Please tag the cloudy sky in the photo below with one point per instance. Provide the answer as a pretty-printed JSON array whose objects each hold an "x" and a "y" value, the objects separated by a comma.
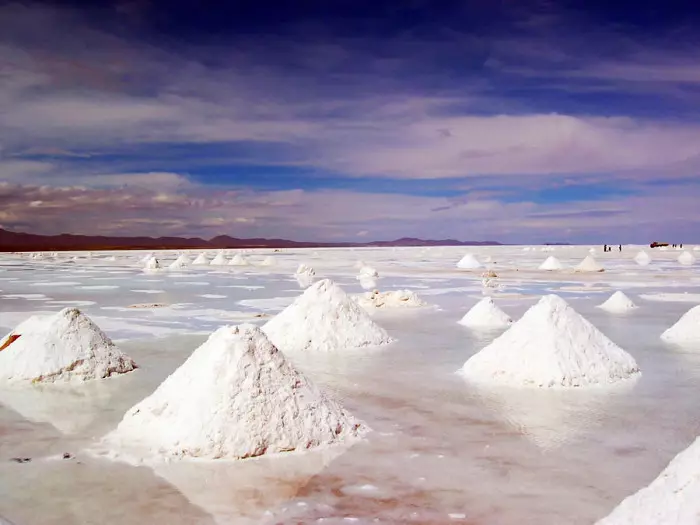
[{"x": 510, "y": 120}]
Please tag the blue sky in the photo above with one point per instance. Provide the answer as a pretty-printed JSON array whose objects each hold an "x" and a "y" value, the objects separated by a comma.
[{"x": 528, "y": 121}]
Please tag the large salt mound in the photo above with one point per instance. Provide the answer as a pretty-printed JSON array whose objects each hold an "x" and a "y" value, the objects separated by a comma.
[
  {"x": 686, "y": 330},
  {"x": 219, "y": 260},
  {"x": 673, "y": 498},
  {"x": 485, "y": 314},
  {"x": 552, "y": 263},
  {"x": 589, "y": 264},
  {"x": 642, "y": 258},
  {"x": 551, "y": 346},
  {"x": 324, "y": 318},
  {"x": 201, "y": 259},
  {"x": 618, "y": 303},
  {"x": 468, "y": 262},
  {"x": 181, "y": 262},
  {"x": 235, "y": 397},
  {"x": 66, "y": 346},
  {"x": 389, "y": 300},
  {"x": 238, "y": 260},
  {"x": 686, "y": 258}
]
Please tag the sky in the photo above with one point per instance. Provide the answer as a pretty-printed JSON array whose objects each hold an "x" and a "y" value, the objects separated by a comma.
[{"x": 519, "y": 121}]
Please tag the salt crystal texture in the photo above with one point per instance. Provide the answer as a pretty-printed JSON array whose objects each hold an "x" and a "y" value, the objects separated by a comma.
[
  {"x": 181, "y": 262},
  {"x": 589, "y": 264},
  {"x": 686, "y": 330},
  {"x": 673, "y": 498},
  {"x": 324, "y": 318},
  {"x": 642, "y": 258},
  {"x": 238, "y": 260},
  {"x": 485, "y": 314},
  {"x": 66, "y": 346},
  {"x": 618, "y": 303},
  {"x": 551, "y": 346},
  {"x": 389, "y": 300},
  {"x": 686, "y": 258},
  {"x": 235, "y": 397},
  {"x": 468, "y": 262},
  {"x": 201, "y": 259},
  {"x": 219, "y": 260},
  {"x": 551, "y": 264}
]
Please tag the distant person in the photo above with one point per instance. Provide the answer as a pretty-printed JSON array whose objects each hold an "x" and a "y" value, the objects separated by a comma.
[
  {"x": 620, "y": 247},
  {"x": 681, "y": 246},
  {"x": 605, "y": 247}
]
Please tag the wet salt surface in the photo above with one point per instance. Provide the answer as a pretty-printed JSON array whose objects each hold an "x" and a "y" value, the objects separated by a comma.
[{"x": 442, "y": 451}]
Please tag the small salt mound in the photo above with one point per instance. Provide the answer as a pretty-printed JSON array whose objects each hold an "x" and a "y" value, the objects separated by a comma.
[
  {"x": 152, "y": 264},
  {"x": 201, "y": 259},
  {"x": 368, "y": 272},
  {"x": 267, "y": 261},
  {"x": 146, "y": 258},
  {"x": 589, "y": 264},
  {"x": 389, "y": 300},
  {"x": 551, "y": 346},
  {"x": 485, "y": 314},
  {"x": 686, "y": 258},
  {"x": 686, "y": 330},
  {"x": 305, "y": 270},
  {"x": 235, "y": 397},
  {"x": 551, "y": 264},
  {"x": 468, "y": 262},
  {"x": 324, "y": 318},
  {"x": 219, "y": 260},
  {"x": 618, "y": 303},
  {"x": 66, "y": 346},
  {"x": 238, "y": 260},
  {"x": 181, "y": 262},
  {"x": 642, "y": 258},
  {"x": 111, "y": 258},
  {"x": 673, "y": 498},
  {"x": 367, "y": 283}
]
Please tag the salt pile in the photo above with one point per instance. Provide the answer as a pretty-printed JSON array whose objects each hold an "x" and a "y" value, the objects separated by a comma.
[
  {"x": 219, "y": 260},
  {"x": 618, "y": 303},
  {"x": 551, "y": 264},
  {"x": 305, "y": 276},
  {"x": 368, "y": 272},
  {"x": 589, "y": 264},
  {"x": 238, "y": 260},
  {"x": 153, "y": 264},
  {"x": 686, "y": 330},
  {"x": 235, "y": 397},
  {"x": 642, "y": 258},
  {"x": 305, "y": 270},
  {"x": 686, "y": 258},
  {"x": 267, "y": 261},
  {"x": 181, "y": 262},
  {"x": 485, "y": 314},
  {"x": 468, "y": 262},
  {"x": 673, "y": 498},
  {"x": 389, "y": 300},
  {"x": 324, "y": 318},
  {"x": 551, "y": 346},
  {"x": 201, "y": 259},
  {"x": 66, "y": 346},
  {"x": 146, "y": 258}
]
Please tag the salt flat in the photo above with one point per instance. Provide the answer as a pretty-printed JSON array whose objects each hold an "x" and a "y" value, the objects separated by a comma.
[{"x": 442, "y": 450}]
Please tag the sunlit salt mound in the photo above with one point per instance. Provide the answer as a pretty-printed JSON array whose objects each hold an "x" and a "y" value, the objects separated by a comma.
[
  {"x": 642, "y": 258},
  {"x": 589, "y": 264},
  {"x": 551, "y": 346},
  {"x": 66, "y": 346},
  {"x": 238, "y": 260},
  {"x": 219, "y": 260},
  {"x": 390, "y": 300},
  {"x": 235, "y": 397},
  {"x": 673, "y": 498},
  {"x": 201, "y": 259},
  {"x": 551, "y": 264},
  {"x": 324, "y": 318},
  {"x": 618, "y": 303},
  {"x": 146, "y": 258},
  {"x": 152, "y": 264},
  {"x": 468, "y": 262},
  {"x": 181, "y": 262},
  {"x": 305, "y": 270},
  {"x": 686, "y": 258},
  {"x": 686, "y": 330},
  {"x": 367, "y": 272},
  {"x": 485, "y": 314}
]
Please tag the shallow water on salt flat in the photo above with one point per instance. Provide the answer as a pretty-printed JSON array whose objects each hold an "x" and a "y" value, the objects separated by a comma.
[{"x": 441, "y": 451}]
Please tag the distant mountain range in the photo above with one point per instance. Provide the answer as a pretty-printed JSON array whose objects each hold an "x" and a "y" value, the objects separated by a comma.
[{"x": 24, "y": 242}]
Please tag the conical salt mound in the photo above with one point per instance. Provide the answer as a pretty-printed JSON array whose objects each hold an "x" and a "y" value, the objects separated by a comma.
[
  {"x": 618, "y": 303},
  {"x": 152, "y": 264},
  {"x": 181, "y": 262},
  {"x": 367, "y": 272},
  {"x": 589, "y": 264},
  {"x": 673, "y": 498},
  {"x": 551, "y": 346},
  {"x": 686, "y": 258},
  {"x": 485, "y": 314},
  {"x": 642, "y": 258},
  {"x": 324, "y": 318},
  {"x": 551, "y": 264},
  {"x": 238, "y": 260},
  {"x": 66, "y": 346},
  {"x": 235, "y": 397},
  {"x": 201, "y": 259},
  {"x": 219, "y": 260},
  {"x": 686, "y": 330},
  {"x": 146, "y": 258},
  {"x": 468, "y": 262}
]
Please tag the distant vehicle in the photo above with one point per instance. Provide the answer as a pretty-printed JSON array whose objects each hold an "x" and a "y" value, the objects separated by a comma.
[{"x": 658, "y": 244}]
